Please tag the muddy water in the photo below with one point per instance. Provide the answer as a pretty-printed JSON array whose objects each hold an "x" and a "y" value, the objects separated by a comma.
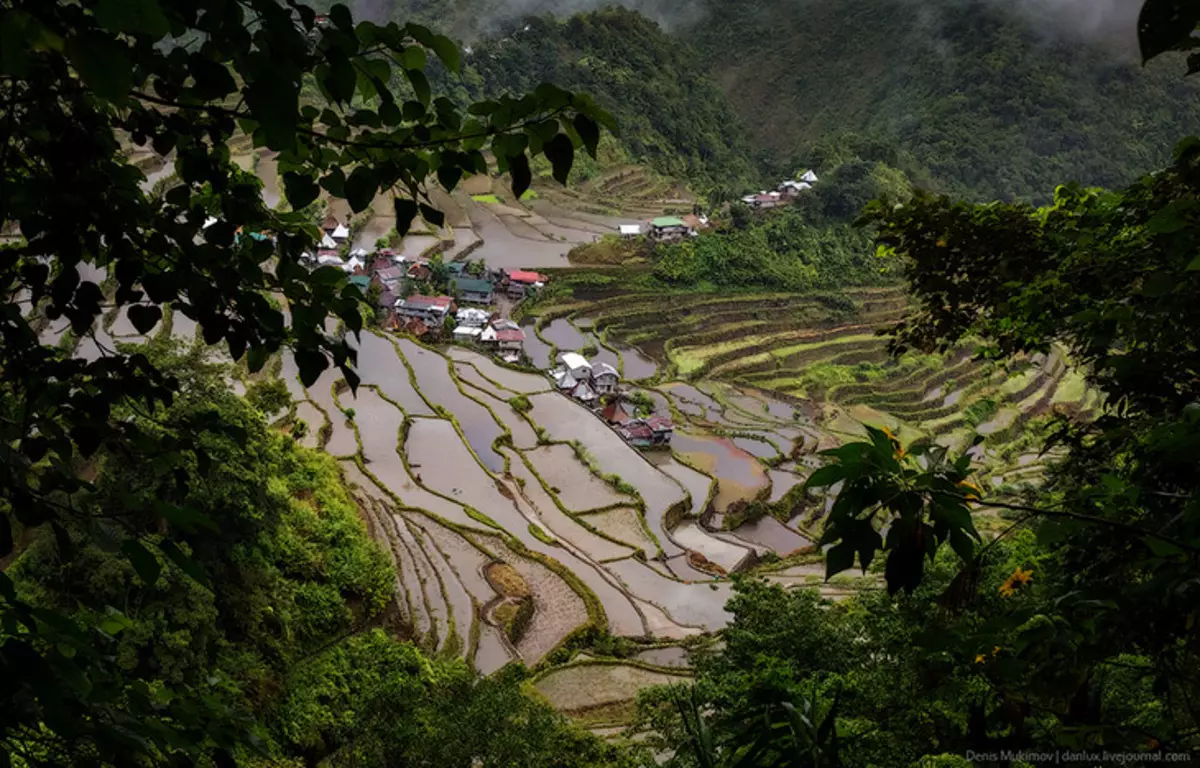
[
  {"x": 696, "y": 483},
  {"x": 782, "y": 482},
  {"x": 604, "y": 355},
  {"x": 492, "y": 653},
  {"x": 566, "y": 420},
  {"x": 756, "y": 447},
  {"x": 772, "y": 534},
  {"x": 503, "y": 249},
  {"x": 739, "y": 475},
  {"x": 563, "y": 335},
  {"x": 696, "y": 605},
  {"x": 538, "y": 350},
  {"x": 476, "y": 423},
  {"x": 379, "y": 364},
  {"x": 672, "y": 656},
  {"x": 341, "y": 440},
  {"x": 290, "y": 375},
  {"x": 637, "y": 365},
  {"x": 268, "y": 171}
]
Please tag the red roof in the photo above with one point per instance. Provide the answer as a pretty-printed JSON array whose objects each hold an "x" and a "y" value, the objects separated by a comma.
[
  {"x": 521, "y": 276},
  {"x": 614, "y": 413},
  {"x": 659, "y": 423},
  {"x": 510, "y": 334},
  {"x": 637, "y": 430}
]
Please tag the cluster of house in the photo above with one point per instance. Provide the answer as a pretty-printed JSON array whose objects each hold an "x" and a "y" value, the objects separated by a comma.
[
  {"x": 787, "y": 191},
  {"x": 665, "y": 229},
  {"x": 593, "y": 385},
  {"x": 419, "y": 314},
  {"x": 490, "y": 330}
]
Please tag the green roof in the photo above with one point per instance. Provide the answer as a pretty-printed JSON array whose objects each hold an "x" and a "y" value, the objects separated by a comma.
[
  {"x": 362, "y": 281},
  {"x": 668, "y": 221},
  {"x": 456, "y": 267},
  {"x": 470, "y": 285}
]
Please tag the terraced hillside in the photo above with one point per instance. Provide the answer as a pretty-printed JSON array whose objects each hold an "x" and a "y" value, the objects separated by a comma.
[
  {"x": 531, "y": 534},
  {"x": 820, "y": 357}
]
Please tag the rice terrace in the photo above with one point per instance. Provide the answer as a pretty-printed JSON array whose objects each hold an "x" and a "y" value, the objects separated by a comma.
[{"x": 524, "y": 522}]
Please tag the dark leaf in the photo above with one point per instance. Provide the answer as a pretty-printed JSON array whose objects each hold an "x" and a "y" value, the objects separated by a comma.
[
  {"x": 1164, "y": 24},
  {"x": 341, "y": 80},
  {"x": 132, "y": 16},
  {"x": 447, "y": 51},
  {"x": 183, "y": 562},
  {"x": 103, "y": 64},
  {"x": 420, "y": 85},
  {"x": 186, "y": 518},
  {"x": 589, "y": 132},
  {"x": 432, "y": 215},
  {"x": 144, "y": 317},
  {"x": 522, "y": 177},
  {"x": 361, "y": 188},
  {"x": 300, "y": 189},
  {"x": 274, "y": 101},
  {"x": 6, "y": 537},
  {"x": 406, "y": 211},
  {"x": 838, "y": 559},
  {"x": 311, "y": 363},
  {"x": 561, "y": 153},
  {"x": 143, "y": 561},
  {"x": 449, "y": 176},
  {"x": 827, "y": 475}
]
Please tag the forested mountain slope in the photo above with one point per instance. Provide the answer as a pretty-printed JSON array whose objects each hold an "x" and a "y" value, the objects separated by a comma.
[
  {"x": 984, "y": 102},
  {"x": 670, "y": 112}
]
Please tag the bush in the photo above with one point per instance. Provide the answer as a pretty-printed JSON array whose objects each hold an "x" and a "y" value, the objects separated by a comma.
[{"x": 520, "y": 403}]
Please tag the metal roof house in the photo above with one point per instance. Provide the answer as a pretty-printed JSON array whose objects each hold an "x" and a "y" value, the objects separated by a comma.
[{"x": 473, "y": 291}]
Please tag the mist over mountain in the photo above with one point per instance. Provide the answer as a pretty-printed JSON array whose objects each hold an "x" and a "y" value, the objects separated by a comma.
[{"x": 1111, "y": 21}]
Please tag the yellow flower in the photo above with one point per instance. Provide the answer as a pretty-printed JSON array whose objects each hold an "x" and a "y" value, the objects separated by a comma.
[
  {"x": 980, "y": 659},
  {"x": 995, "y": 649},
  {"x": 1018, "y": 579}
]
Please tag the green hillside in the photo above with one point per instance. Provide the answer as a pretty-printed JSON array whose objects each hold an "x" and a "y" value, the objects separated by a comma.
[
  {"x": 977, "y": 101},
  {"x": 670, "y": 113}
]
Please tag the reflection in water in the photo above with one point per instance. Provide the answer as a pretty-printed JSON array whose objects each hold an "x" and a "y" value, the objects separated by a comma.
[{"x": 563, "y": 335}]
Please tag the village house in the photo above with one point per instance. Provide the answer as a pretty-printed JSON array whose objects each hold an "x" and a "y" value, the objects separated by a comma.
[
  {"x": 669, "y": 228},
  {"x": 694, "y": 222},
  {"x": 518, "y": 283},
  {"x": 791, "y": 189},
  {"x": 763, "y": 200},
  {"x": 431, "y": 309},
  {"x": 472, "y": 290},
  {"x": 647, "y": 433},
  {"x": 637, "y": 434},
  {"x": 809, "y": 177},
  {"x": 605, "y": 379},
  {"x": 576, "y": 365},
  {"x": 510, "y": 342},
  {"x": 615, "y": 413},
  {"x": 579, "y": 379},
  {"x": 471, "y": 317},
  {"x": 630, "y": 231}
]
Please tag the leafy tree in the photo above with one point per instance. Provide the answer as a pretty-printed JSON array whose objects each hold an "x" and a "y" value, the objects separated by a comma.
[
  {"x": 350, "y": 111},
  {"x": 269, "y": 396}
]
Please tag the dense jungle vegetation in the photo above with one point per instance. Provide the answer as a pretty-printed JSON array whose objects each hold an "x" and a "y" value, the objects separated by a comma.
[
  {"x": 975, "y": 99},
  {"x": 181, "y": 584}
]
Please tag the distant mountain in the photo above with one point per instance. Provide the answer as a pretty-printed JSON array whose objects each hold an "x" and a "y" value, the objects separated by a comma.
[{"x": 970, "y": 97}]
